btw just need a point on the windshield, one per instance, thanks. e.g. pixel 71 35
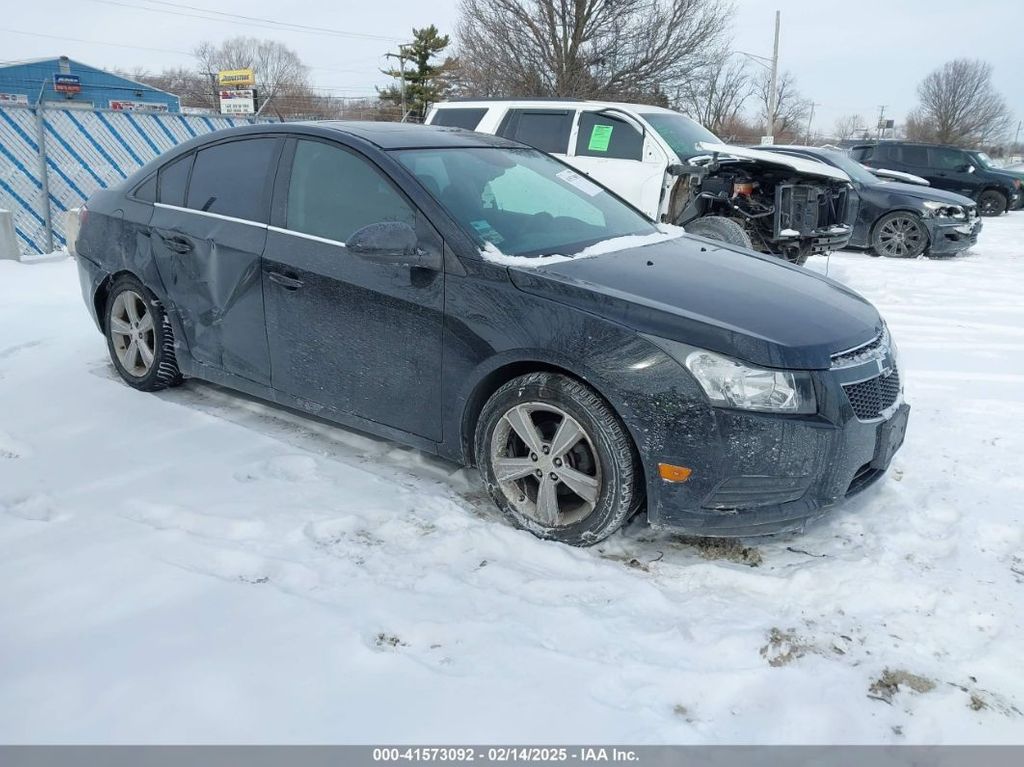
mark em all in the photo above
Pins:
pixel 522 201
pixel 680 133
pixel 984 160
pixel 844 162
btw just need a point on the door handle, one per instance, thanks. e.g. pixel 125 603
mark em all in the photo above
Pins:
pixel 178 245
pixel 289 283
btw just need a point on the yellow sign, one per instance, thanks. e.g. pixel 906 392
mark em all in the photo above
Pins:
pixel 236 78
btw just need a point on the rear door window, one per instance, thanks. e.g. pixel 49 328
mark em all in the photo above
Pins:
pixel 544 129
pixel 914 155
pixel 601 135
pixel 948 159
pixel 459 117
pixel 231 179
pixel 333 192
pixel 172 180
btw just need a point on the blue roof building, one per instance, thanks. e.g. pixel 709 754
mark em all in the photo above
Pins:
pixel 69 84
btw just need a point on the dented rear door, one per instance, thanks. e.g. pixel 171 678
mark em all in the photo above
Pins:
pixel 208 252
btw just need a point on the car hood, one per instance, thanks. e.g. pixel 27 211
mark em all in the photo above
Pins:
pixel 1007 177
pixel 922 192
pixel 802 165
pixel 700 292
pixel 1017 173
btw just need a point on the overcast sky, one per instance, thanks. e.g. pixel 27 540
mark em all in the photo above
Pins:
pixel 849 57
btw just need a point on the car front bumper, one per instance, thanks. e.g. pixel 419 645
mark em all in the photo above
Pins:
pixel 949 237
pixel 766 474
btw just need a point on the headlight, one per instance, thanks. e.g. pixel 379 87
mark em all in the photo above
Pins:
pixel 730 383
pixel 945 210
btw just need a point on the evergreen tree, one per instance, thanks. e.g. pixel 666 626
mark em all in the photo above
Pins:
pixel 425 82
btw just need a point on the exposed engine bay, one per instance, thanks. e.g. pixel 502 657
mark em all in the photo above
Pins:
pixel 784 213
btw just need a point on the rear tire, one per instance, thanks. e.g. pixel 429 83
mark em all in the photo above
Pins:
pixel 557 460
pixel 992 203
pixel 722 229
pixel 139 337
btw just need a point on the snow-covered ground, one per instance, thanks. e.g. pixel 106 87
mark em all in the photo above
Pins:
pixel 196 567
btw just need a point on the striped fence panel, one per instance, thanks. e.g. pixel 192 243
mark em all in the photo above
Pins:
pixel 82 151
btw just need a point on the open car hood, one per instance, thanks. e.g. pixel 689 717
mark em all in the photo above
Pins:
pixel 799 164
pixel 895 175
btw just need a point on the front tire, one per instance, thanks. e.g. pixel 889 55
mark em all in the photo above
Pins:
pixel 139 337
pixel 557 460
pixel 899 235
pixel 720 228
pixel 992 203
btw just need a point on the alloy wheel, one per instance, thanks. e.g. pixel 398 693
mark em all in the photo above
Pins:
pixel 545 464
pixel 132 333
pixel 991 204
pixel 901 237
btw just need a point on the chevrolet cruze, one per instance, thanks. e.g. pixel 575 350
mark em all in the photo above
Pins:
pixel 478 299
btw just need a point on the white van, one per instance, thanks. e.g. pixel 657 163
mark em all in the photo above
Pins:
pixel 678 172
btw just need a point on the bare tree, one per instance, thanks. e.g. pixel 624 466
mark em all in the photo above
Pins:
pixel 959 105
pixel 849 126
pixel 281 77
pixel 791 108
pixel 715 94
pixel 191 87
pixel 628 49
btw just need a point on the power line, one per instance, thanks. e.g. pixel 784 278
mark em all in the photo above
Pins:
pixel 252 21
pixel 304 27
pixel 89 42
pixel 159 50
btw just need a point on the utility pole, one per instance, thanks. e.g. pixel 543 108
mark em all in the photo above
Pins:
pixel 401 64
pixel 216 90
pixel 773 87
pixel 1016 138
pixel 810 119
pixel 881 114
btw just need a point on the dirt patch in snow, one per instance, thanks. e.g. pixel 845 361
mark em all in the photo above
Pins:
pixel 892 680
pixel 784 647
pixel 389 641
pixel 729 549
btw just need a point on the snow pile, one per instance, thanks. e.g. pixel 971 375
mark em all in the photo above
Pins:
pixel 195 566
pixel 490 252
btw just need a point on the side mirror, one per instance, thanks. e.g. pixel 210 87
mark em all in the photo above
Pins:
pixel 968 168
pixel 392 241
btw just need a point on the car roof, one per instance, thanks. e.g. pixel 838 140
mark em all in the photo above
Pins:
pixel 412 135
pixel 383 135
pixel 554 103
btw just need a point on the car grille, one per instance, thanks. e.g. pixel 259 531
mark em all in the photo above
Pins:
pixel 871 398
pixel 808 208
pixel 859 354
pixel 832 208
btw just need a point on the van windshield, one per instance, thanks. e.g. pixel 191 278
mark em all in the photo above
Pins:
pixel 680 133
pixel 522 201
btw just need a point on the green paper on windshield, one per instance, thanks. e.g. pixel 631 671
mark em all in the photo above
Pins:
pixel 599 138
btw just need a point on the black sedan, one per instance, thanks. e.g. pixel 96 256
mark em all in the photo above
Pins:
pixel 479 299
pixel 901 220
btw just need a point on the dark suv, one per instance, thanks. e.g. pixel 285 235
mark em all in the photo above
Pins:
pixel 945 167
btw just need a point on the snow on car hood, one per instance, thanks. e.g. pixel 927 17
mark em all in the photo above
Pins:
pixel 908 178
pixel 491 253
pixel 799 164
